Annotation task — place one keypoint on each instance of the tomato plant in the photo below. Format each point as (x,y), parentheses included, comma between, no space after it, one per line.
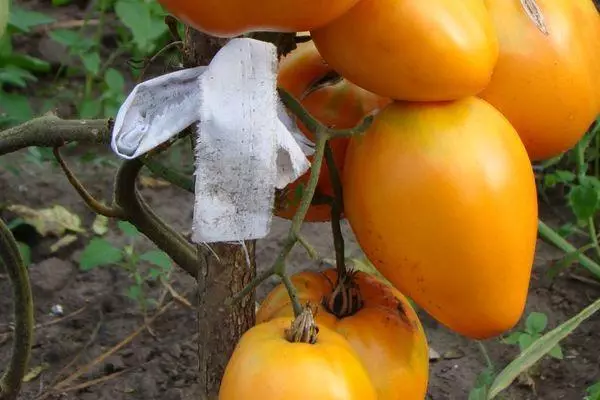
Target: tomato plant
(407,50)
(547,84)
(376,319)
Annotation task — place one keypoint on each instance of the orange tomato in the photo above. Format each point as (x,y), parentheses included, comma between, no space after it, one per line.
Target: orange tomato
(266,366)
(229,18)
(412,50)
(442,199)
(385,332)
(341,105)
(548,86)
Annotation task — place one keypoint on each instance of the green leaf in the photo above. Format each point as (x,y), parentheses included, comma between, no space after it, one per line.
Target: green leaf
(91,62)
(58,3)
(513,338)
(525,340)
(75,42)
(25,253)
(23,20)
(128,229)
(65,36)
(158,258)
(583,201)
(16,107)
(557,177)
(114,80)
(16,76)
(539,349)
(26,62)
(556,352)
(144,26)
(134,292)
(4,12)
(536,322)
(567,261)
(99,252)
(593,392)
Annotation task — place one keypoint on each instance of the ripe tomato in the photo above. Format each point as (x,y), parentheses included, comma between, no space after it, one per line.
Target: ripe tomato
(442,199)
(340,105)
(385,332)
(266,366)
(547,86)
(412,50)
(229,18)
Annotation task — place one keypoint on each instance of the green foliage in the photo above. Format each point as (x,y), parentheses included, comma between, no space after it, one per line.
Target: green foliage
(141,33)
(535,325)
(100,252)
(593,392)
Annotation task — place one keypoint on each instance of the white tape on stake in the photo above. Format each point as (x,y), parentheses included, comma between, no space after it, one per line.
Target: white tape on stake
(247,143)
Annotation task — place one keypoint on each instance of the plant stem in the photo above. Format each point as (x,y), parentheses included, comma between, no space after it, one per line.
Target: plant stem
(486,355)
(51,131)
(293,293)
(10,258)
(336,215)
(551,236)
(311,186)
(89,200)
(139,213)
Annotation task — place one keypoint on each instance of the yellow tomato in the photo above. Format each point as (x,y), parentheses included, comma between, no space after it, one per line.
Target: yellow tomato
(412,50)
(266,366)
(548,86)
(385,331)
(442,199)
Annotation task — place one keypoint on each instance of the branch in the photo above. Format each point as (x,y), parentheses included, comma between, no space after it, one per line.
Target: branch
(10,382)
(336,215)
(90,201)
(139,213)
(51,131)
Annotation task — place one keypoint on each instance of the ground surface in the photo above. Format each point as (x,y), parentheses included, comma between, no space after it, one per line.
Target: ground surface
(163,366)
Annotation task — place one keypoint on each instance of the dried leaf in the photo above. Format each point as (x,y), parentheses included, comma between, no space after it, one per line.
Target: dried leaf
(100,225)
(35,372)
(63,242)
(535,14)
(49,221)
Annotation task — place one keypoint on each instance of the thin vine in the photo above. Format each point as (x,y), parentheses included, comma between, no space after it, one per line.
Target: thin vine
(10,258)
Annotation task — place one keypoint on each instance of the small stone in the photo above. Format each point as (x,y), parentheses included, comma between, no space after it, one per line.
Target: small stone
(50,275)
(114,364)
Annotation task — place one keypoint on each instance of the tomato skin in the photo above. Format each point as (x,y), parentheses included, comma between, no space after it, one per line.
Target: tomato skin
(386,333)
(548,87)
(265,366)
(442,200)
(415,50)
(341,105)
(229,18)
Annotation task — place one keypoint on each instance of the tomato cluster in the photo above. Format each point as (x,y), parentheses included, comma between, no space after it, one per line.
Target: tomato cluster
(439,191)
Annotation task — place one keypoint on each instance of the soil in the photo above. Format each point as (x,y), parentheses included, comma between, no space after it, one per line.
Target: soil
(160,363)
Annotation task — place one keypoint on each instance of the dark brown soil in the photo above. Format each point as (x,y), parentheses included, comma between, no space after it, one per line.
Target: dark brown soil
(161,364)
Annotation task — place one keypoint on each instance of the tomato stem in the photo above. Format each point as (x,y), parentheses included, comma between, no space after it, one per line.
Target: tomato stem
(304,328)
(337,207)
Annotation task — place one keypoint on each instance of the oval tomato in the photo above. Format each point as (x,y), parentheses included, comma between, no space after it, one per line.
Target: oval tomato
(412,50)
(229,18)
(547,86)
(442,199)
(266,366)
(385,332)
(341,105)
